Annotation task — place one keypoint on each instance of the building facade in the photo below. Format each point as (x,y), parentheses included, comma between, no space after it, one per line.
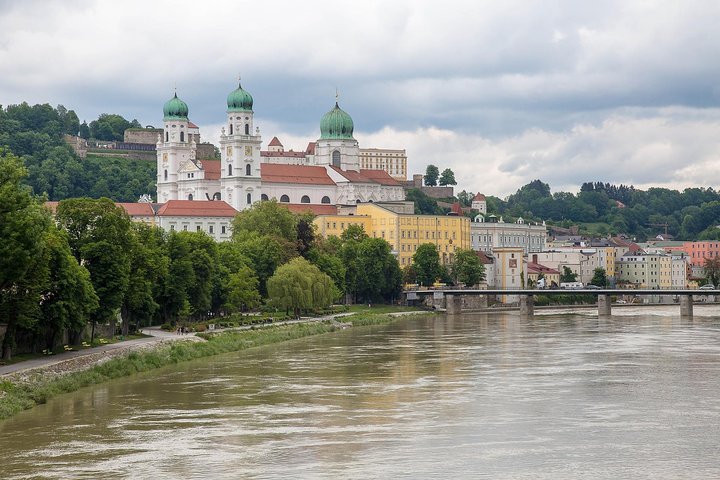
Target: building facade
(404,232)
(489,233)
(329,171)
(394,162)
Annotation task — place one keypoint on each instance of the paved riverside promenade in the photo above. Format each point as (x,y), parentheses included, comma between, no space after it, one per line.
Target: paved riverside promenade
(156,336)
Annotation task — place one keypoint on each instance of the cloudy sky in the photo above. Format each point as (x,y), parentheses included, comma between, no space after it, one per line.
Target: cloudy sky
(501,92)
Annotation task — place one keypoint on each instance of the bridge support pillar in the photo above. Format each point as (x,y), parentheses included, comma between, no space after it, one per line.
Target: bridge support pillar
(604,309)
(686,306)
(453,304)
(527,305)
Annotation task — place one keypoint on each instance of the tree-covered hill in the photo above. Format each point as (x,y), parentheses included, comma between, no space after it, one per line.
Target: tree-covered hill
(35,134)
(601,208)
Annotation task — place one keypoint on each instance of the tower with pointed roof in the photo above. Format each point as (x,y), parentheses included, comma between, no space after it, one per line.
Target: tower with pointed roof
(175,147)
(336,146)
(240,152)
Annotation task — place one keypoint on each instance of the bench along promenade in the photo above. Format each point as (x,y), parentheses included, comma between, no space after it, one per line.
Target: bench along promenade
(454,298)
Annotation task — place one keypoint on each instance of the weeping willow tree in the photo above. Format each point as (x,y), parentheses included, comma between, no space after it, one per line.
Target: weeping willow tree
(299,286)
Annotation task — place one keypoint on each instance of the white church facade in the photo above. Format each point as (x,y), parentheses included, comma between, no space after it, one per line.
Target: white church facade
(328,173)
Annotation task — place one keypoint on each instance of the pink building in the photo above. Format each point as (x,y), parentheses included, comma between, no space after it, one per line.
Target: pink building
(697,252)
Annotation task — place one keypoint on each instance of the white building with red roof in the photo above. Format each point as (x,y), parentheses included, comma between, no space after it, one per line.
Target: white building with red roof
(327,173)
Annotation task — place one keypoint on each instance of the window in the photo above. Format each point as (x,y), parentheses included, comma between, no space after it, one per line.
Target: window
(336,158)
(182,136)
(249,198)
(247,129)
(285,199)
(247,169)
(222,229)
(167,136)
(184,228)
(166,175)
(190,197)
(197,228)
(229,170)
(211,229)
(305,199)
(264,197)
(325,199)
(231,129)
(172,228)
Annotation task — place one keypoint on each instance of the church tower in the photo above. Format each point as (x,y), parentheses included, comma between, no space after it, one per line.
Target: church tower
(337,146)
(174,148)
(240,152)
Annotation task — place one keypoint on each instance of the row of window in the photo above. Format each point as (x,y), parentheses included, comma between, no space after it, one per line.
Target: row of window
(248,170)
(198,228)
(304,199)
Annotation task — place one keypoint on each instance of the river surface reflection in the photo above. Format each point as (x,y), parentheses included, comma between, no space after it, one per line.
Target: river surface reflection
(472,396)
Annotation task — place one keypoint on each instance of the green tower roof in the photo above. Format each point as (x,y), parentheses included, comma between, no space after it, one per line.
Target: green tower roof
(336,124)
(175,109)
(239,100)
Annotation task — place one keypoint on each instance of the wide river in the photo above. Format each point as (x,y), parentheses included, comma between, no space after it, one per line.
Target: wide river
(474,396)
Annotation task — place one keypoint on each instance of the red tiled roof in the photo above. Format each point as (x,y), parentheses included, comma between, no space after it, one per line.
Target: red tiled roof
(299,174)
(196,208)
(538,268)
(212,169)
(275,143)
(52,206)
(456,209)
(310,150)
(314,208)
(266,153)
(381,177)
(192,125)
(137,209)
(484,259)
(479,197)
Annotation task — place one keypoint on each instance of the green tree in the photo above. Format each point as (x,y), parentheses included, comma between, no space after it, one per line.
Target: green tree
(467,268)
(447,178)
(568,275)
(299,286)
(424,205)
(68,297)
(379,276)
(712,271)
(236,285)
(267,218)
(99,237)
(431,175)
(23,223)
(426,262)
(149,266)
(84,130)
(599,278)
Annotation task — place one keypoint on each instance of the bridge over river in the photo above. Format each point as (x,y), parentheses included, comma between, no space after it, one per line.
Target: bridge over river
(454,298)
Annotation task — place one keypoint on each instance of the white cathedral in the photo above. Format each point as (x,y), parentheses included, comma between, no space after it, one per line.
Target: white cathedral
(327,174)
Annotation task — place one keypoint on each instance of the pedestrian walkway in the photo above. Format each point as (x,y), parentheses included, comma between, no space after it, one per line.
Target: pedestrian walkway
(156,336)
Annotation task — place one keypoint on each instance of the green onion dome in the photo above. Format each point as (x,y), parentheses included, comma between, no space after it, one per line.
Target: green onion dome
(239,100)
(175,109)
(336,124)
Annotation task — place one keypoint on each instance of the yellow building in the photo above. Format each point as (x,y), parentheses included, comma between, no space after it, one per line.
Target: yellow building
(404,232)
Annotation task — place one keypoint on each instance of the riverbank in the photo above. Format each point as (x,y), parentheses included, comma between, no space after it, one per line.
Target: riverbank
(27,388)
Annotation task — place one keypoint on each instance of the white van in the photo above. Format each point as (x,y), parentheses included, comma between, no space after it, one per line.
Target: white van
(571,285)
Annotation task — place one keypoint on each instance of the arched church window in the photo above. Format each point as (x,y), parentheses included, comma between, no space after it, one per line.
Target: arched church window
(229,170)
(182,136)
(190,197)
(166,175)
(247,169)
(231,129)
(305,199)
(285,199)
(167,136)
(336,158)
(249,198)
(325,199)
(264,197)
(247,129)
